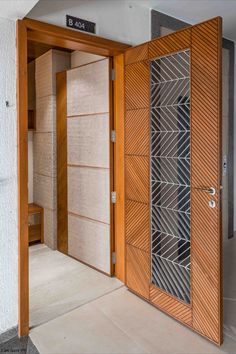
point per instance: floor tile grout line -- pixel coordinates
(75, 308)
(123, 331)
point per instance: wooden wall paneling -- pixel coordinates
(22, 126)
(206, 171)
(62, 216)
(119, 178)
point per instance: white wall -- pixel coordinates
(8, 178)
(121, 20)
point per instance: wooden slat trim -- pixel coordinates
(62, 215)
(170, 305)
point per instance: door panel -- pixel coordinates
(173, 236)
(88, 164)
(206, 171)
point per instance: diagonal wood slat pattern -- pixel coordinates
(137, 85)
(137, 132)
(204, 314)
(137, 270)
(137, 225)
(137, 181)
(206, 240)
(136, 54)
(171, 43)
(170, 305)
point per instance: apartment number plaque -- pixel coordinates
(80, 24)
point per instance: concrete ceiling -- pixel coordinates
(194, 11)
(16, 9)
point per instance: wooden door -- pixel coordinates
(172, 175)
(84, 200)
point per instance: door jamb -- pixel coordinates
(32, 30)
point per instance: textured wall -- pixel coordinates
(8, 178)
(44, 151)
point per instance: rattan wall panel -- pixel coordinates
(137, 270)
(171, 305)
(206, 240)
(171, 43)
(137, 132)
(137, 225)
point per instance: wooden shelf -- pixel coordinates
(34, 209)
(31, 120)
(36, 231)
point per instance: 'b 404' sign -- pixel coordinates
(79, 24)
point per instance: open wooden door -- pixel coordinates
(172, 175)
(85, 164)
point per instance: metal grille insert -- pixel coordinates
(170, 174)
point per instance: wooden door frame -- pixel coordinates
(39, 32)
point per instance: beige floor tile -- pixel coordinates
(59, 283)
(120, 322)
(150, 328)
(84, 330)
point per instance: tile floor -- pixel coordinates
(115, 320)
(59, 284)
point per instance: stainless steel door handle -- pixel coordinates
(209, 190)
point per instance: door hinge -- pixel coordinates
(113, 197)
(113, 257)
(113, 136)
(113, 74)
